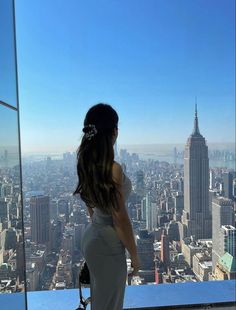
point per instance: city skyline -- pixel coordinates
(176, 195)
(149, 68)
(54, 219)
(225, 145)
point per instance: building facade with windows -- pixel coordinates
(196, 219)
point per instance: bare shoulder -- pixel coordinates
(116, 167)
(117, 172)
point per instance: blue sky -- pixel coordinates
(147, 58)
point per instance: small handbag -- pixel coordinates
(84, 278)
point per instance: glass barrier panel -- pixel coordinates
(12, 266)
(7, 54)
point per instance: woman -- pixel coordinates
(104, 188)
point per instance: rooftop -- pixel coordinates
(229, 262)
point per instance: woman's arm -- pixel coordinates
(121, 220)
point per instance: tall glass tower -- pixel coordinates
(196, 219)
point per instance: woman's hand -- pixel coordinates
(135, 264)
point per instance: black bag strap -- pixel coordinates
(83, 302)
(81, 296)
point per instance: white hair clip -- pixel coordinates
(90, 131)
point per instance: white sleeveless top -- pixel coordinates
(99, 217)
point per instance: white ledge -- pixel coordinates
(181, 295)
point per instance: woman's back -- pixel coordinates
(101, 182)
(99, 216)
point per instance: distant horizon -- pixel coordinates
(212, 146)
(160, 152)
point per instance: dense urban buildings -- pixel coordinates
(183, 221)
(171, 206)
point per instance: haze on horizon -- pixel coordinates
(152, 147)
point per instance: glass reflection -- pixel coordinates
(7, 54)
(11, 238)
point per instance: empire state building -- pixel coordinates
(196, 219)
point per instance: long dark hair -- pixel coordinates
(95, 157)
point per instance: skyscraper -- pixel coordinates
(212, 179)
(165, 252)
(149, 212)
(228, 185)
(140, 190)
(234, 187)
(40, 218)
(178, 204)
(222, 214)
(196, 219)
(146, 254)
(228, 239)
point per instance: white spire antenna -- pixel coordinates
(195, 106)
